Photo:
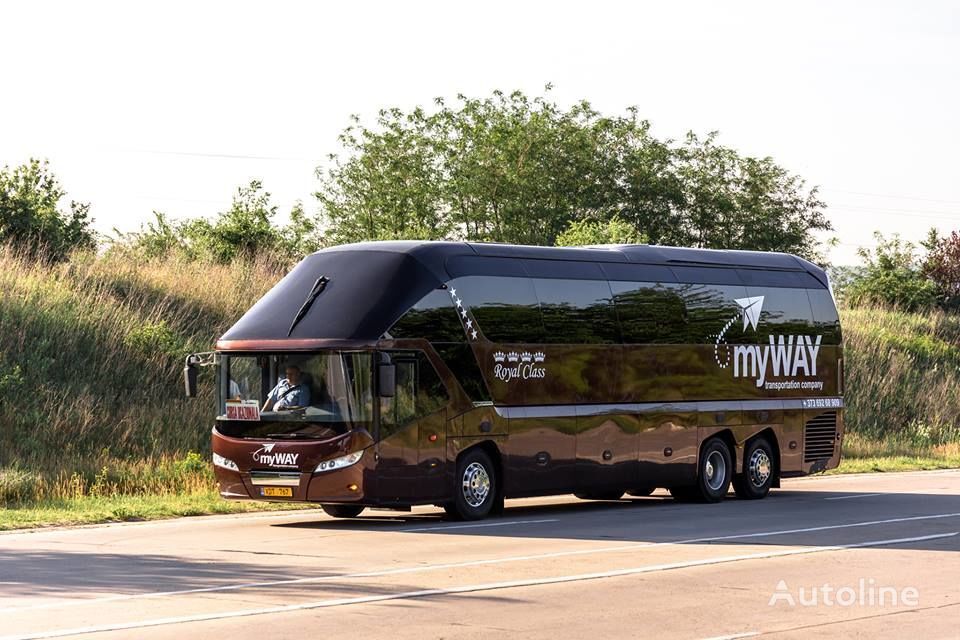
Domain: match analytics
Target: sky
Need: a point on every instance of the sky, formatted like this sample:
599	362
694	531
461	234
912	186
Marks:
172	106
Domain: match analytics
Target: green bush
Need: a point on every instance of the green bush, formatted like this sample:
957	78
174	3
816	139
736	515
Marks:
31	219
156	338
892	275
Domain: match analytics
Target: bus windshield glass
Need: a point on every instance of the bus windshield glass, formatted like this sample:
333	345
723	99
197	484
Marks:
292	395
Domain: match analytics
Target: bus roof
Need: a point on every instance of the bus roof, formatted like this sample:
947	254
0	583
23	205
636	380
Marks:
369	285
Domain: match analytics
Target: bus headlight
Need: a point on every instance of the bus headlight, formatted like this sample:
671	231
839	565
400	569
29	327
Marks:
224	463
340	463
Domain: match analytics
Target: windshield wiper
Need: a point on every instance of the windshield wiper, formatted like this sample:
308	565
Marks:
294	435
318	288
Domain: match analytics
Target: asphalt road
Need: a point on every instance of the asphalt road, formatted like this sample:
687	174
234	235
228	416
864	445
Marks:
548	568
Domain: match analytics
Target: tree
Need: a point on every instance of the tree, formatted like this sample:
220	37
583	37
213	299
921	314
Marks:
942	267
590	232
246	231
31	218
891	275
509	168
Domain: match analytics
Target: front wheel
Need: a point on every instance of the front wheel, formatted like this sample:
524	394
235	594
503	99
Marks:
476	488
342	510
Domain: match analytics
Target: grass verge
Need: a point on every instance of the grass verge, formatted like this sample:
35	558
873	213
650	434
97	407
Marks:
121	508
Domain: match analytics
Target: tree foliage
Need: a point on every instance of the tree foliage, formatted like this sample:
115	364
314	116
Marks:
942	267
31	218
509	168
591	232
246	231
892	275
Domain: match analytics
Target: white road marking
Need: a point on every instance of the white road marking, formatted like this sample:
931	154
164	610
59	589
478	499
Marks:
857	495
736	636
474	526
467	563
489	586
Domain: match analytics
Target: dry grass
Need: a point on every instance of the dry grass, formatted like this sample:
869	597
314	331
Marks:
902	376
91	355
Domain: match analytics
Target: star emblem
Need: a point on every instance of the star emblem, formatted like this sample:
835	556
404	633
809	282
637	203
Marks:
469	324
453	292
459	302
463	313
473	334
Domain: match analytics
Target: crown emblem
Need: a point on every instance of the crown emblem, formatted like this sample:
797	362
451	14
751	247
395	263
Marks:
526	356
539	356
499	356
512	356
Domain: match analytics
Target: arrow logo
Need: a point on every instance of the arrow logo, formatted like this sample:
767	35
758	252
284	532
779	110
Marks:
751	308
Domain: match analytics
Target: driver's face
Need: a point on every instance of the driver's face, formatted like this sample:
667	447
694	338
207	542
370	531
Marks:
293	375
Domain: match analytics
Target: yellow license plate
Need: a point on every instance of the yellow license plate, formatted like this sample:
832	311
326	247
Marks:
276	492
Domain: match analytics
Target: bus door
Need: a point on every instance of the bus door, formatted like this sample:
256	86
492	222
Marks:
412	444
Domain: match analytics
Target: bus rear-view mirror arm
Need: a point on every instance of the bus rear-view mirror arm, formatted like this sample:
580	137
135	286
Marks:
193	361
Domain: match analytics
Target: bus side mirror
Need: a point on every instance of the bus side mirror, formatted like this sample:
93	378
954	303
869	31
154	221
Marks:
387	380
190	379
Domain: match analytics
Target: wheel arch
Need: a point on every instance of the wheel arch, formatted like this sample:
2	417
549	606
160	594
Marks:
491	449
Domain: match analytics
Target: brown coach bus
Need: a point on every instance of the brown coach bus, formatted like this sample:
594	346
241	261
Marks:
391	374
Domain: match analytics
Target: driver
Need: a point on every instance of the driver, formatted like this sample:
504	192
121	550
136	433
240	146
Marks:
290	392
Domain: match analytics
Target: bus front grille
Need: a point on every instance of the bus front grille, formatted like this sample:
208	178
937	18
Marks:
820	437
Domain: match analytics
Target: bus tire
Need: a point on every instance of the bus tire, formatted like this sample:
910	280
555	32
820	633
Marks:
476	486
610	494
342	510
758	471
714	471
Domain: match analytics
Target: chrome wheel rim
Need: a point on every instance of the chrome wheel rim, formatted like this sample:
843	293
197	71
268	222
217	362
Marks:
759	468
476	484
715	471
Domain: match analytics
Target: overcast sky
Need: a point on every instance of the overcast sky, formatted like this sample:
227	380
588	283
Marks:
171	106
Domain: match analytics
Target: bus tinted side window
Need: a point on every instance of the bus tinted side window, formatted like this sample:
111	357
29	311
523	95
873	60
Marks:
506	307
785	312
419	392
712	309
825	316
434	318
577	311
649	313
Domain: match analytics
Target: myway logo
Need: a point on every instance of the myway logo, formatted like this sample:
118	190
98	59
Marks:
787	357
784	356
265	455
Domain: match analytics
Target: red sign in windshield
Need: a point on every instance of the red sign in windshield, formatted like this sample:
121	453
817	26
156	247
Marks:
244	410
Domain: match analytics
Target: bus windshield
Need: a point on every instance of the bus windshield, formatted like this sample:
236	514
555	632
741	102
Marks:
289	395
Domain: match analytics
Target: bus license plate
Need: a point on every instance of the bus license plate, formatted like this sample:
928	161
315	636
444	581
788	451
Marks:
276	492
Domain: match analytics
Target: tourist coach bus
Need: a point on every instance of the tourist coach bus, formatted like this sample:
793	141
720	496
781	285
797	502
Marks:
391	374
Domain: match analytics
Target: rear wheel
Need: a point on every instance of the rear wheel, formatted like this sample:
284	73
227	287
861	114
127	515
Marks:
758	471
476	488
610	494
342	510
714	473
